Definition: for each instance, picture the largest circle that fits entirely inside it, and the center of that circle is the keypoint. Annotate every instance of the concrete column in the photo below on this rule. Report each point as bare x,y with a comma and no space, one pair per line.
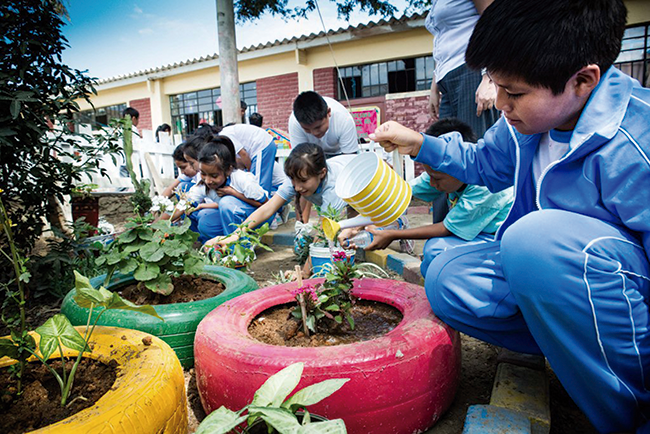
160,111
228,62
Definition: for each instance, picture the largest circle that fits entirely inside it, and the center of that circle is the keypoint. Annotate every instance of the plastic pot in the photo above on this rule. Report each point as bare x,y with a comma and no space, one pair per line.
401,382
181,319
320,256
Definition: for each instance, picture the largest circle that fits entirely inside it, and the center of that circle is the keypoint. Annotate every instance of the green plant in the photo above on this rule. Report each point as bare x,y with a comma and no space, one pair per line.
82,190
333,299
153,253
331,213
140,200
270,403
57,332
66,251
241,252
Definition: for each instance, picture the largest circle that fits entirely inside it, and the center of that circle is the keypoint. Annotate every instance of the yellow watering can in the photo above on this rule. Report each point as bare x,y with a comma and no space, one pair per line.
374,190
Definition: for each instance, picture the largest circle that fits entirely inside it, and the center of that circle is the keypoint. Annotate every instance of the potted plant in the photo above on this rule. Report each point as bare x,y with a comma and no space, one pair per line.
150,255
412,368
84,204
272,411
320,250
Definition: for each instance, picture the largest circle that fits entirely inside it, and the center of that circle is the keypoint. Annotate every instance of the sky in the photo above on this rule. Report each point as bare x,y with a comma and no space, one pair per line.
109,38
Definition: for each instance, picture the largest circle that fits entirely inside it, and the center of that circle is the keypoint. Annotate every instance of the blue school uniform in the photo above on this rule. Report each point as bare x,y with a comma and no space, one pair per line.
231,212
475,214
568,275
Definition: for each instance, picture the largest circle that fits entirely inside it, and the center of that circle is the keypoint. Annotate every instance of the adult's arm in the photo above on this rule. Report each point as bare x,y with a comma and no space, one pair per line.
434,100
486,94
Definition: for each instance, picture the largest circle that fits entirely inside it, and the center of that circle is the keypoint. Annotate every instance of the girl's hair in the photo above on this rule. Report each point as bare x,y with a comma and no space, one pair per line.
206,131
192,146
163,128
220,151
305,161
178,154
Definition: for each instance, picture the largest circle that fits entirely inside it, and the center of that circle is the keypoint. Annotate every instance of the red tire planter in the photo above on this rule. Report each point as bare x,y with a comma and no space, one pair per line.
401,382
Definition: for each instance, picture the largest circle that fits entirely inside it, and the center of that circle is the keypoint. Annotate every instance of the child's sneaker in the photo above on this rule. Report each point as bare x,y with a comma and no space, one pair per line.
274,223
284,213
405,246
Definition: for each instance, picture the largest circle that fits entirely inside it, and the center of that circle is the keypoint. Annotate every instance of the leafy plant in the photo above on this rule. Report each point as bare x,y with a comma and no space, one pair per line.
82,190
57,332
241,252
333,299
66,251
331,213
270,403
153,253
140,200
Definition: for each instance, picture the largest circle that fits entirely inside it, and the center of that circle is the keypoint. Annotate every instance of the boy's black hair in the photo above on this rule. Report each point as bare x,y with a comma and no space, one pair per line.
131,112
206,131
219,150
178,154
256,119
309,107
447,125
305,161
545,43
243,105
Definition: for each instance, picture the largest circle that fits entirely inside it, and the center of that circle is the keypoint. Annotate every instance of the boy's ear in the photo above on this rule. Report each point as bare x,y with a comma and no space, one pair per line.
587,79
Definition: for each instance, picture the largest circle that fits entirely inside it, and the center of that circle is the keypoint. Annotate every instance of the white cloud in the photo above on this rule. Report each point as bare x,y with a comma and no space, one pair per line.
146,31
137,9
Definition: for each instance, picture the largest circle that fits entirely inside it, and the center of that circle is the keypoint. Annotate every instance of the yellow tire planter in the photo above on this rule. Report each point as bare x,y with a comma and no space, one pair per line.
148,395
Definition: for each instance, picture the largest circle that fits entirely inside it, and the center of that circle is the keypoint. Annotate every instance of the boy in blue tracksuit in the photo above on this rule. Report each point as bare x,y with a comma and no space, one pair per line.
569,273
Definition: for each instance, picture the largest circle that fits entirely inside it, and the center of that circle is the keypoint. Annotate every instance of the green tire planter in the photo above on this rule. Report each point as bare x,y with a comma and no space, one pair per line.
181,319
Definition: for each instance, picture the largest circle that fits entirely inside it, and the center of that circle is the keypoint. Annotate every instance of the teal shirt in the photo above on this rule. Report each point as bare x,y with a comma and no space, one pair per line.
472,211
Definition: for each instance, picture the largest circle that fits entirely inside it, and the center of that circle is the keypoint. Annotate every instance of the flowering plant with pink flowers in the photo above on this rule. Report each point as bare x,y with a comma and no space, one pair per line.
328,304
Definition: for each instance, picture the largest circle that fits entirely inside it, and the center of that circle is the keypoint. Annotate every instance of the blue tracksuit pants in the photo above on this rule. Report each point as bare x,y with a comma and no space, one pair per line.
210,223
262,166
571,287
435,246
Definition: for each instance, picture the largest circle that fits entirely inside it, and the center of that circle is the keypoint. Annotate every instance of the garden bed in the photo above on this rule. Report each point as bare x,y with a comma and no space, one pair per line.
187,288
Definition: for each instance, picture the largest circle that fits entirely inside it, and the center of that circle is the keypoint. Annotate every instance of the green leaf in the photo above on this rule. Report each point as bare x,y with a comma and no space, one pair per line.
128,266
278,386
163,225
117,302
146,272
315,393
59,329
100,260
280,419
193,264
174,248
336,426
128,236
220,421
15,108
145,234
113,257
134,247
152,252
161,284
338,319
9,349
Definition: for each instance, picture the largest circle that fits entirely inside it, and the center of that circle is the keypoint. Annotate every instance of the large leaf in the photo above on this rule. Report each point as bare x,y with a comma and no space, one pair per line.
152,252
280,419
134,247
117,302
9,349
163,225
174,248
113,257
161,284
128,236
59,329
336,426
278,386
220,421
193,264
146,272
315,393
128,266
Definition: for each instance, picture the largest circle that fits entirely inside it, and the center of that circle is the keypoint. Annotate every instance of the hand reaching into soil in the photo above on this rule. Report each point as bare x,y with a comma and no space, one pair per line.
392,135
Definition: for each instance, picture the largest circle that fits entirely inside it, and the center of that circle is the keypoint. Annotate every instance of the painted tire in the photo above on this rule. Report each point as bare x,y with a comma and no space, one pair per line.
181,319
400,383
148,395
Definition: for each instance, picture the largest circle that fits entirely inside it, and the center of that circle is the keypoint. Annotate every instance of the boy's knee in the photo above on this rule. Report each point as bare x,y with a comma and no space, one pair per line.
438,292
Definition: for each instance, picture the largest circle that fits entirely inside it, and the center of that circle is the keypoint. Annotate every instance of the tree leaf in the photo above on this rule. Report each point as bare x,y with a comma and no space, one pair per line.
117,302
59,329
9,349
220,421
152,252
146,271
315,393
278,386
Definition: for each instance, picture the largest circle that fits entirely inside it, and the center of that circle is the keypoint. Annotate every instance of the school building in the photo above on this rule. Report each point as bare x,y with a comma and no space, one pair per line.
384,66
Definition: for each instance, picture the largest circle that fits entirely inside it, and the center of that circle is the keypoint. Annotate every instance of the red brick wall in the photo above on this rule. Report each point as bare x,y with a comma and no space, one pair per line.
411,112
325,82
143,106
275,97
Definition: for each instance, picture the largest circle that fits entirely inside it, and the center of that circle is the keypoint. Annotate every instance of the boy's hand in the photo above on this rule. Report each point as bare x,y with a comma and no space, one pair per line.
345,235
225,191
392,135
380,239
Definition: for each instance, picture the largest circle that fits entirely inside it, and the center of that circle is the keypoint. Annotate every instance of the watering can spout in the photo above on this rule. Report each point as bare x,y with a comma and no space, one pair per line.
331,228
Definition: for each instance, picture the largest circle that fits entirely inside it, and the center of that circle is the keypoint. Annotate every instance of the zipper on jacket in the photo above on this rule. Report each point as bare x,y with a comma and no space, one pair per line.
517,163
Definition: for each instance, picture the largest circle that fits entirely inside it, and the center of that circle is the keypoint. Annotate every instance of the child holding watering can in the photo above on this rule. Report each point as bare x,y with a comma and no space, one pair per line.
311,176
474,214
568,275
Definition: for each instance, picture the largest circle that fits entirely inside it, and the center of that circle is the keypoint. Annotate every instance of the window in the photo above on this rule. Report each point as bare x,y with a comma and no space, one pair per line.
191,109
377,79
634,56
100,117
